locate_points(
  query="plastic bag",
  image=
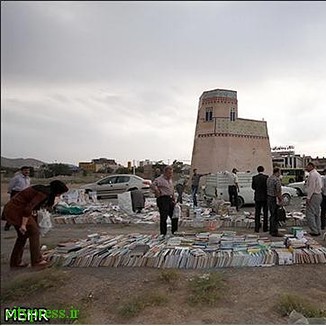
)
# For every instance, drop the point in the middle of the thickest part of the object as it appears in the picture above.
(45, 222)
(176, 211)
(281, 214)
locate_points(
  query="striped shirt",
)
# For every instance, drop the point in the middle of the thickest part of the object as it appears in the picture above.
(164, 186)
(274, 186)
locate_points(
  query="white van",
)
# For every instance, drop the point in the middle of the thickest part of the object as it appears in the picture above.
(217, 186)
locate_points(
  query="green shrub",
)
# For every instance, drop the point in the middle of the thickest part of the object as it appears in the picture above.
(289, 302)
(26, 285)
(136, 305)
(206, 289)
(169, 276)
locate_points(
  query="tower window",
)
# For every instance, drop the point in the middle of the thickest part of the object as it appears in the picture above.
(209, 114)
(232, 114)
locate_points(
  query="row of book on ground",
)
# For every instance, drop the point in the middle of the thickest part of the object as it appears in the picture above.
(189, 250)
(226, 216)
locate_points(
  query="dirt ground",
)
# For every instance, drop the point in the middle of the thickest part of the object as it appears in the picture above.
(250, 295)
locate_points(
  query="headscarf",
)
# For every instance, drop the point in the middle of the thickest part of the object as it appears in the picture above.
(58, 187)
(55, 188)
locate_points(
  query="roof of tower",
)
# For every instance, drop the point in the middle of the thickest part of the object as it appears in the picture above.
(219, 93)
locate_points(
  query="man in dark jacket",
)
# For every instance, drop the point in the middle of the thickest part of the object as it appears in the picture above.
(195, 185)
(259, 185)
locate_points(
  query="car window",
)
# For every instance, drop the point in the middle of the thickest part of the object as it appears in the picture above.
(108, 180)
(122, 179)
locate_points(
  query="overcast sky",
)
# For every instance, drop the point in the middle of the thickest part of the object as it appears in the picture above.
(122, 80)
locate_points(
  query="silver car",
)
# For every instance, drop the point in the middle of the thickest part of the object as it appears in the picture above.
(116, 184)
(300, 187)
(217, 186)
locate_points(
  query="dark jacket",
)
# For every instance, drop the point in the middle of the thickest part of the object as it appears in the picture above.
(23, 204)
(259, 184)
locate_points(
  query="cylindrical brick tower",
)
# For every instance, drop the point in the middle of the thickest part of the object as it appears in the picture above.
(223, 141)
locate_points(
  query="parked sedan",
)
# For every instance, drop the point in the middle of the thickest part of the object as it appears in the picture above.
(287, 194)
(300, 187)
(246, 194)
(116, 184)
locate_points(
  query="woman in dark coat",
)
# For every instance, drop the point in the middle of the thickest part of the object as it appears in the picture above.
(21, 212)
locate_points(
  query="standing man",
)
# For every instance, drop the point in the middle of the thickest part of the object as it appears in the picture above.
(18, 183)
(274, 199)
(195, 184)
(259, 185)
(180, 187)
(323, 203)
(164, 193)
(233, 188)
(314, 199)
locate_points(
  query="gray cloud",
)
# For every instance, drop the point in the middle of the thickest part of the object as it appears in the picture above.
(123, 79)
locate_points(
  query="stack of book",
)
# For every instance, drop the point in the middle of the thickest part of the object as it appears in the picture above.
(187, 250)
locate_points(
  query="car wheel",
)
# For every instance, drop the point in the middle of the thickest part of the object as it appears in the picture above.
(240, 201)
(286, 199)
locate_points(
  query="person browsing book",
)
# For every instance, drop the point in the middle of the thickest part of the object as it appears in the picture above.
(21, 212)
(164, 193)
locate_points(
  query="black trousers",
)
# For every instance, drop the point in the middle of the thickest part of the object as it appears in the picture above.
(166, 206)
(273, 222)
(323, 213)
(261, 204)
(233, 196)
(179, 188)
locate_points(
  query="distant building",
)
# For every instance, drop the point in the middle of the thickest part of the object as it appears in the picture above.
(224, 141)
(146, 162)
(87, 166)
(320, 162)
(285, 157)
(98, 165)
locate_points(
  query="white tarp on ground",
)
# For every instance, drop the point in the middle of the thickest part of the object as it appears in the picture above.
(125, 203)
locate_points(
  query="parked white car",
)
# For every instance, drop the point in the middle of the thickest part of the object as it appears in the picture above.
(300, 187)
(116, 184)
(217, 186)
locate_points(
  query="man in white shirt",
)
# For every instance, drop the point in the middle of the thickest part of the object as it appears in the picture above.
(18, 183)
(233, 188)
(314, 199)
